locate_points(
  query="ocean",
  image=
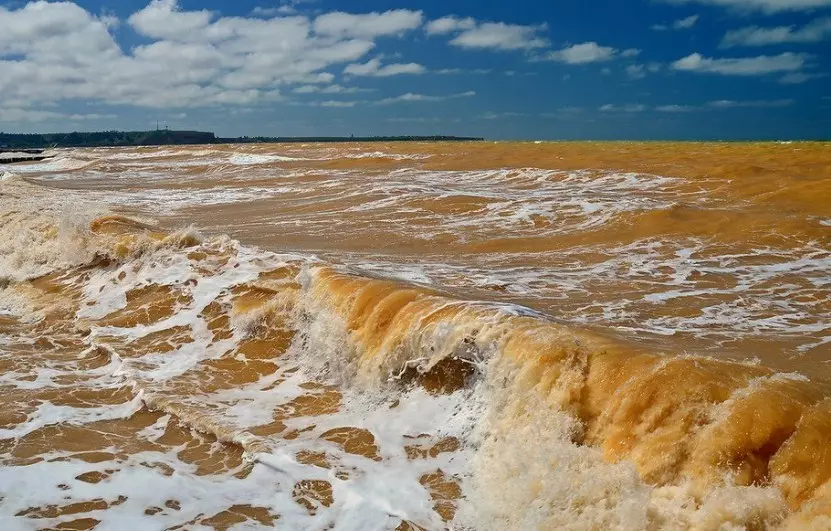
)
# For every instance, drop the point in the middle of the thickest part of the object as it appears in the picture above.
(417, 336)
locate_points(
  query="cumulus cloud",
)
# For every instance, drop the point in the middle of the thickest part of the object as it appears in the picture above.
(818, 30)
(374, 68)
(472, 34)
(748, 66)
(60, 32)
(445, 25)
(162, 19)
(587, 52)
(765, 6)
(491, 35)
(630, 52)
(368, 26)
(53, 51)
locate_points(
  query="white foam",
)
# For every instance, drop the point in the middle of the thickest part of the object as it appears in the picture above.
(245, 159)
(58, 164)
(164, 200)
(126, 155)
(376, 155)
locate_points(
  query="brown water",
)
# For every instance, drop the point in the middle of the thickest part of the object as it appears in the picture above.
(418, 336)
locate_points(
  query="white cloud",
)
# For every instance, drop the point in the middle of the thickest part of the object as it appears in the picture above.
(472, 34)
(445, 25)
(447, 71)
(749, 66)
(675, 108)
(63, 33)
(19, 115)
(587, 52)
(501, 36)
(331, 89)
(340, 104)
(162, 19)
(631, 107)
(766, 6)
(680, 24)
(818, 30)
(412, 97)
(409, 97)
(286, 9)
(630, 52)
(685, 23)
(374, 68)
(730, 104)
(369, 25)
(58, 51)
(717, 105)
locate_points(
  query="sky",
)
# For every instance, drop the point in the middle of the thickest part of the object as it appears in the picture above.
(524, 69)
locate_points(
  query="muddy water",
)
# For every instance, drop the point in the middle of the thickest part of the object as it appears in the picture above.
(418, 336)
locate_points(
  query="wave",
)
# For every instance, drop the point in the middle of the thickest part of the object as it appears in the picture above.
(244, 159)
(376, 401)
(56, 165)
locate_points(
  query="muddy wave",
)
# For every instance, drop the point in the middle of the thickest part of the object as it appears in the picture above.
(169, 378)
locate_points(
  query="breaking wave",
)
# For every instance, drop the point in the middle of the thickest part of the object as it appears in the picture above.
(168, 378)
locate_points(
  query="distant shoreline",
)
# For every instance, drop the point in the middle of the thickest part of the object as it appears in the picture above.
(164, 137)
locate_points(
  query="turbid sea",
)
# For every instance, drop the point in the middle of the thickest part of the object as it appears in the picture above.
(417, 336)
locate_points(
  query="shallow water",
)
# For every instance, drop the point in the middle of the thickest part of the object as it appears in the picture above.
(418, 336)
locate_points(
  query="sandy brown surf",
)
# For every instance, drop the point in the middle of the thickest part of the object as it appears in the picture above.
(735, 408)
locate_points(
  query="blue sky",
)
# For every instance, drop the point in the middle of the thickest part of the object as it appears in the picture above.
(568, 69)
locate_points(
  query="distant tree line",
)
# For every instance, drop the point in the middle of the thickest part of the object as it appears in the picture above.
(287, 139)
(165, 137)
(105, 138)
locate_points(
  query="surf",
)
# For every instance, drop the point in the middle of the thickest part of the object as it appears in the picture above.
(180, 377)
